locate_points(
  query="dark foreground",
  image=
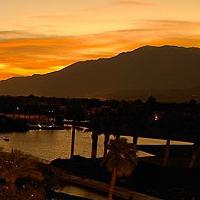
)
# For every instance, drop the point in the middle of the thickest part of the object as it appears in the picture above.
(61, 196)
(173, 182)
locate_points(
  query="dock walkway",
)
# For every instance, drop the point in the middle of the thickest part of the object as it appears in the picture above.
(92, 184)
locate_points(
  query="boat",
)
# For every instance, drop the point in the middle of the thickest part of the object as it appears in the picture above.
(43, 126)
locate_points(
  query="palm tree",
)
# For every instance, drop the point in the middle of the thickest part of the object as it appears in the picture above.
(73, 139)
(104, 122)
(97, 127)
(121, 160)
(17, 165)
(75, 113)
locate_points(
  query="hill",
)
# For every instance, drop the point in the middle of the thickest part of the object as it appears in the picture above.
(160, 71)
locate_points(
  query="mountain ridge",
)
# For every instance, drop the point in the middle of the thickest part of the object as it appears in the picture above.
(145, 68)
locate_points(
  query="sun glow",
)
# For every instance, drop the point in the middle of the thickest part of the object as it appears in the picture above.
(40, 36)
(2, 66)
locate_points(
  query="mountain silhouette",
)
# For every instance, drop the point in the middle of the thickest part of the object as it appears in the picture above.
(149, 70)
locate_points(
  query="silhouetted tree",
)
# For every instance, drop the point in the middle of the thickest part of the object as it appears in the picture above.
(75, 113)
(120, 160)
(16, 165)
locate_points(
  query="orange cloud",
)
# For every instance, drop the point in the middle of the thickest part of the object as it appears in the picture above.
(6, 75)
(181, 26)
(133, 2)
(37, 54)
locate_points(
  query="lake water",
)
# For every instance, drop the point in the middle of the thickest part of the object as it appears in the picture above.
(52, 144)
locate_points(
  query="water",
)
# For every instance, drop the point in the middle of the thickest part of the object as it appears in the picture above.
(52, 144)
(82, 192)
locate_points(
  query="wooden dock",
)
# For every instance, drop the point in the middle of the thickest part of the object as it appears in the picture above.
(99, 186)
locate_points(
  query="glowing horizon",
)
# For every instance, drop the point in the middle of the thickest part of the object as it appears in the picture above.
(41, 36)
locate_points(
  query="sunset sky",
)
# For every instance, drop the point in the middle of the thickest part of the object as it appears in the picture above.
(40, 36)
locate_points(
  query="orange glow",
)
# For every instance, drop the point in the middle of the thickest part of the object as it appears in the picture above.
(42, 36)
(43, 55)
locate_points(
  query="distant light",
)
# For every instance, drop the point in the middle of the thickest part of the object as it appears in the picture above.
(156, 117)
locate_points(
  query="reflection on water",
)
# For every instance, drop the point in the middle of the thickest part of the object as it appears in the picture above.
(53, 144)
(82, 192)
(50, 145)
